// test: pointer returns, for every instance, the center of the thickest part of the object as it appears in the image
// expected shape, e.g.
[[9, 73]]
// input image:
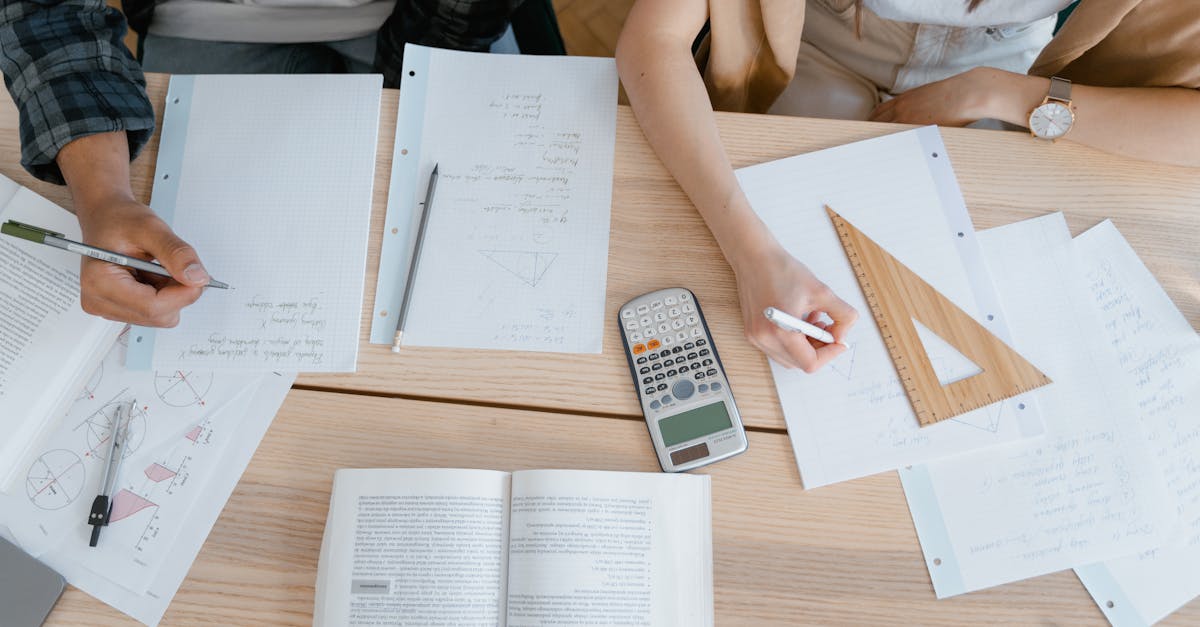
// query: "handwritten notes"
[[270, 179], [852, 418], [1159, 353], [1091, 489], [516, 249]]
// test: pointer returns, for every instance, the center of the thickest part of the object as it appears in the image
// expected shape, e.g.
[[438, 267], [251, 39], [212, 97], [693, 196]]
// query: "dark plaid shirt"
[[70, 74]]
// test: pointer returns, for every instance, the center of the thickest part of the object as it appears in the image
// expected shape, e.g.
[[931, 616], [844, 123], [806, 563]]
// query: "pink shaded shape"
[[158, 473], [126, 504], [194, 434]]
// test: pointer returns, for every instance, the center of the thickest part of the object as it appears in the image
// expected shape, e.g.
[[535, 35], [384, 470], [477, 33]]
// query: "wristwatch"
[[1054, 117]]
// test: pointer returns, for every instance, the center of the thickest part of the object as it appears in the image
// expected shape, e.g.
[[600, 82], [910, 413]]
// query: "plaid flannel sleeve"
[[70, 76]]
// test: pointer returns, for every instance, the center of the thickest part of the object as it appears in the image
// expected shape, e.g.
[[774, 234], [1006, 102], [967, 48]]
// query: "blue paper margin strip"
[[177, 113], [393, 254], [962, 231], [1105, 589], [940, 559]]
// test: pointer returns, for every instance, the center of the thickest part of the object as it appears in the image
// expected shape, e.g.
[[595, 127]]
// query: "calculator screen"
[[695, 423]]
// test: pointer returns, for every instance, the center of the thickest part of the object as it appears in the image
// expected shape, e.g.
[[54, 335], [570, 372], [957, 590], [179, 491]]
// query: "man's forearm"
[[96, 169]]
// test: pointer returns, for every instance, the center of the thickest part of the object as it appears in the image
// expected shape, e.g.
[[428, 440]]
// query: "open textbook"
[[530, 548], [516, 244], [48, 345], [853, 418], [1122, 412]]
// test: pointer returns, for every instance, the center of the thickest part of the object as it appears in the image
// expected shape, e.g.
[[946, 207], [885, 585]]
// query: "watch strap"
[[1060, 89]]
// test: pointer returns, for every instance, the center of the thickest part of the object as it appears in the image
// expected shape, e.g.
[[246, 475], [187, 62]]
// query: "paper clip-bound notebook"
[[515, 254], [270, 179]]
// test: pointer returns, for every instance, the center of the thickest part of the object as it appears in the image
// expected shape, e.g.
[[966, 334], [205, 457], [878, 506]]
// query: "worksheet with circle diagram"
[[853, 418], [1094, 488], [515, 253], [270, 179]]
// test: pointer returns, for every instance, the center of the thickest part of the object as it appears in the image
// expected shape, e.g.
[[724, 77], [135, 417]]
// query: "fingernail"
[[195, 274]]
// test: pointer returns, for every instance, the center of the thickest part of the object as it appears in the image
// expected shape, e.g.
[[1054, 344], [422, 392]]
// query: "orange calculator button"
[[653, 344], [638, 349]]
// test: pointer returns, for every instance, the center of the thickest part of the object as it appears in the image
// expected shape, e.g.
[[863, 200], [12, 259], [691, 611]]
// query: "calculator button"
[[649, 390], [712, 372], [691, 355], [703, 351], [672, 372], [653, 344], [701, 342], [656, 305], [703, 387], [645, 321], [677, 324], [664, 328], [644, 370], [655, 404], [661, 387], [706, 362], [631, 324], [688, 308], [674, 312], [691, 320], [627, 313], [647, 381], [683, 389], [660, 376], [666, 399], [671, 300], [685, 297], [660, 317], [669, 362], [656, 367], [690, 345], [715, 386], [636, 336], [641, 360], [643, 309], [638, 349], [650, 332], [699, 375], [696, 331], [683, 368], [653, 356], [678, 349], [681, 336], [665, 354]]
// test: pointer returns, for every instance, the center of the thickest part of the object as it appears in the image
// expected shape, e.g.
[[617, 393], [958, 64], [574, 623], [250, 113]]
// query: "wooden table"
[[842, 554]]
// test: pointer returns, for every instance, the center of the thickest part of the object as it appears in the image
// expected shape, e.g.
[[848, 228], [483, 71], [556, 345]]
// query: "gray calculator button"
[[643, 309], [660, 317], [683, 389], [631, 324], [656, 305], [650, 332], [655, 404], [664, 327], [627, 313], [681, 336], [684, 296], [668, 340], [677, 324], [666, 399], [691, 320], [674, 312], [703, 387], [645, 321], [635, 336], [715, 386], [688, 308], [696, 331]]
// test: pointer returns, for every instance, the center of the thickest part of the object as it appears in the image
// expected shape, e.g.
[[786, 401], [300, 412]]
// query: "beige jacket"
[[750, 53]]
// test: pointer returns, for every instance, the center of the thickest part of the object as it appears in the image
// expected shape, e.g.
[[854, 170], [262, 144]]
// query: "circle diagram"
[[178, 388], [55, 479], [99, 430]]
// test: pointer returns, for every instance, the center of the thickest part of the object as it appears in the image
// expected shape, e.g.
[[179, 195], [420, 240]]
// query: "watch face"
[[1051, 120]]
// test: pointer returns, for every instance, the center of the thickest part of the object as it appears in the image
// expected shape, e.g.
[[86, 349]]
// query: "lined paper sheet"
[[853, 418], [1159, 353], [1090, 489], [270, 179], [516, 251]]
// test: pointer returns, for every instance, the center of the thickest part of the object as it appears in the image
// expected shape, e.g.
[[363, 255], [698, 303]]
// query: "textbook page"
[[270, 179], [1091, 489], [47, 343], [853, 418], [410, 547], [1159, 352], [609, 548], [515, 254], [176, 526]]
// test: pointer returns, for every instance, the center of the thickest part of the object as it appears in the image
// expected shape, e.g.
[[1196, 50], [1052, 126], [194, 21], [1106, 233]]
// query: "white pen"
[[788, 322]]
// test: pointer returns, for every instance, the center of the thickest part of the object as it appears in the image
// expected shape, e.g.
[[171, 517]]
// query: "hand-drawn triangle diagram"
[[896, 296], [528, 266]]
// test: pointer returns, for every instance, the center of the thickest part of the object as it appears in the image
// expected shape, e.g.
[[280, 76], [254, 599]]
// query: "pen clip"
[[27, 231]]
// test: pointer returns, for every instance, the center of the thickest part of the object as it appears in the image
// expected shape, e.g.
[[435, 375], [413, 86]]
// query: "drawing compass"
[[102, 506]]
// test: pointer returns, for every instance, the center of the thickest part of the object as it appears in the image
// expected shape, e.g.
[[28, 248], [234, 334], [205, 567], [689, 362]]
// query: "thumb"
[[177, 256]]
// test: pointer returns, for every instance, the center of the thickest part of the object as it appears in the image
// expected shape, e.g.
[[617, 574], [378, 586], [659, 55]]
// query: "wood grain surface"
[[845, 554], [658, 240]]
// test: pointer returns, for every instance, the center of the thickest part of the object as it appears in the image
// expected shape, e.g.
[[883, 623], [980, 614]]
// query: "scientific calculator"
[[679, 378]]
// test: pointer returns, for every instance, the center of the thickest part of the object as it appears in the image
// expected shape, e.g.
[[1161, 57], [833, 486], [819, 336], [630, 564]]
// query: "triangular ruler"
[[897, 296]]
